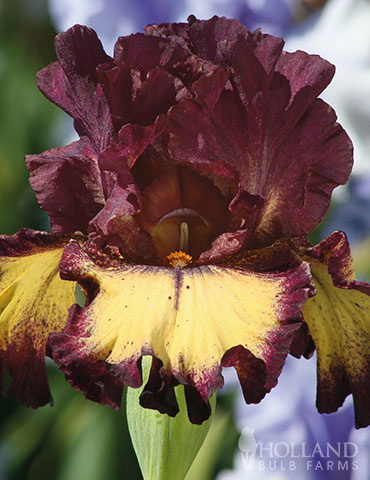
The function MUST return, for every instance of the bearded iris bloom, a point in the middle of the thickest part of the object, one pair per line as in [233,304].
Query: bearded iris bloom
[204,160]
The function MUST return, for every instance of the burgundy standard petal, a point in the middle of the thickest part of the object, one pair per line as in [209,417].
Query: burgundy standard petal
[115,224]
[206,36]
[72,83]
[286,159]
[148,52]
[132,100]
[308,76]
[68,185]
[301,178]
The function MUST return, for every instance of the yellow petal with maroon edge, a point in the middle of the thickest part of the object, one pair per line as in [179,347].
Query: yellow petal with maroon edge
[191,320]
[34,301]
[338,318]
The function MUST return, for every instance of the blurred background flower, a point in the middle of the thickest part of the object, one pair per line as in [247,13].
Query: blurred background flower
[76,438]
[288,416]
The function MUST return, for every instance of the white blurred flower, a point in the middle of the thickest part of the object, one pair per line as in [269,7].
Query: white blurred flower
[341,34]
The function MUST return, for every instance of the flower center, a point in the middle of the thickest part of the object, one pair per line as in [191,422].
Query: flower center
[183,211]
[180,232]
[178,259]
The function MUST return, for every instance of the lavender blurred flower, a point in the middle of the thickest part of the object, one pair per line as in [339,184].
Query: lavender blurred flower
[288,417]
[353,214]
[111,18]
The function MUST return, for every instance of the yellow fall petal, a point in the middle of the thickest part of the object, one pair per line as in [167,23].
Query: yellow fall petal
[34,301]
[339,323]
[186,317]
[338,318]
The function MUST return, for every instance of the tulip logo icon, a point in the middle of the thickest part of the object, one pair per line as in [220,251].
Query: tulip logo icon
[248,446]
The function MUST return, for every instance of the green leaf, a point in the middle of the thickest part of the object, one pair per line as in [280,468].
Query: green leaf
[165,446]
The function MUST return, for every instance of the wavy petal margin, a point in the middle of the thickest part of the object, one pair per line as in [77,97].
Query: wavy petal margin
[192,321]
[338,318]
[67,183]
[34,301]
[264,127]
[72,84]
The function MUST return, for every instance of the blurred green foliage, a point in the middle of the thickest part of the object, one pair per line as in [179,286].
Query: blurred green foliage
[79,439]
[74,439]
[27,119]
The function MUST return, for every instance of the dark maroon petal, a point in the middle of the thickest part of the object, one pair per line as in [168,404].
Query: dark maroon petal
[171,30]
[308,76]
[251,372]
[248,75]
[201,141]
[34,301]
[302,343]
[158,393]
[132,100]
[148,52]
[291,170]
[133,139]
[113,165]
[30,385]
[72,84]
[211,39]
[115,225]
[250,128]
[224,245]
[266,48]
[26,240]
[206,36]
[94,380]
[67,184]
[209,87]
[301,178]
[199,410]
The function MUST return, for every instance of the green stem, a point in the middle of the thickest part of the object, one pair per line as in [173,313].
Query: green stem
[165,446]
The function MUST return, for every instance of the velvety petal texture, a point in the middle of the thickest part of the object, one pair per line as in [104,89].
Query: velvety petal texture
[209,95]
[268,129]
[204,158]
[338,318]
[192,321]
[68,185]
[34,301]
[71,83]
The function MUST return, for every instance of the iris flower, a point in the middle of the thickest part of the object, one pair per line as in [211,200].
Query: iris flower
[204,160]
